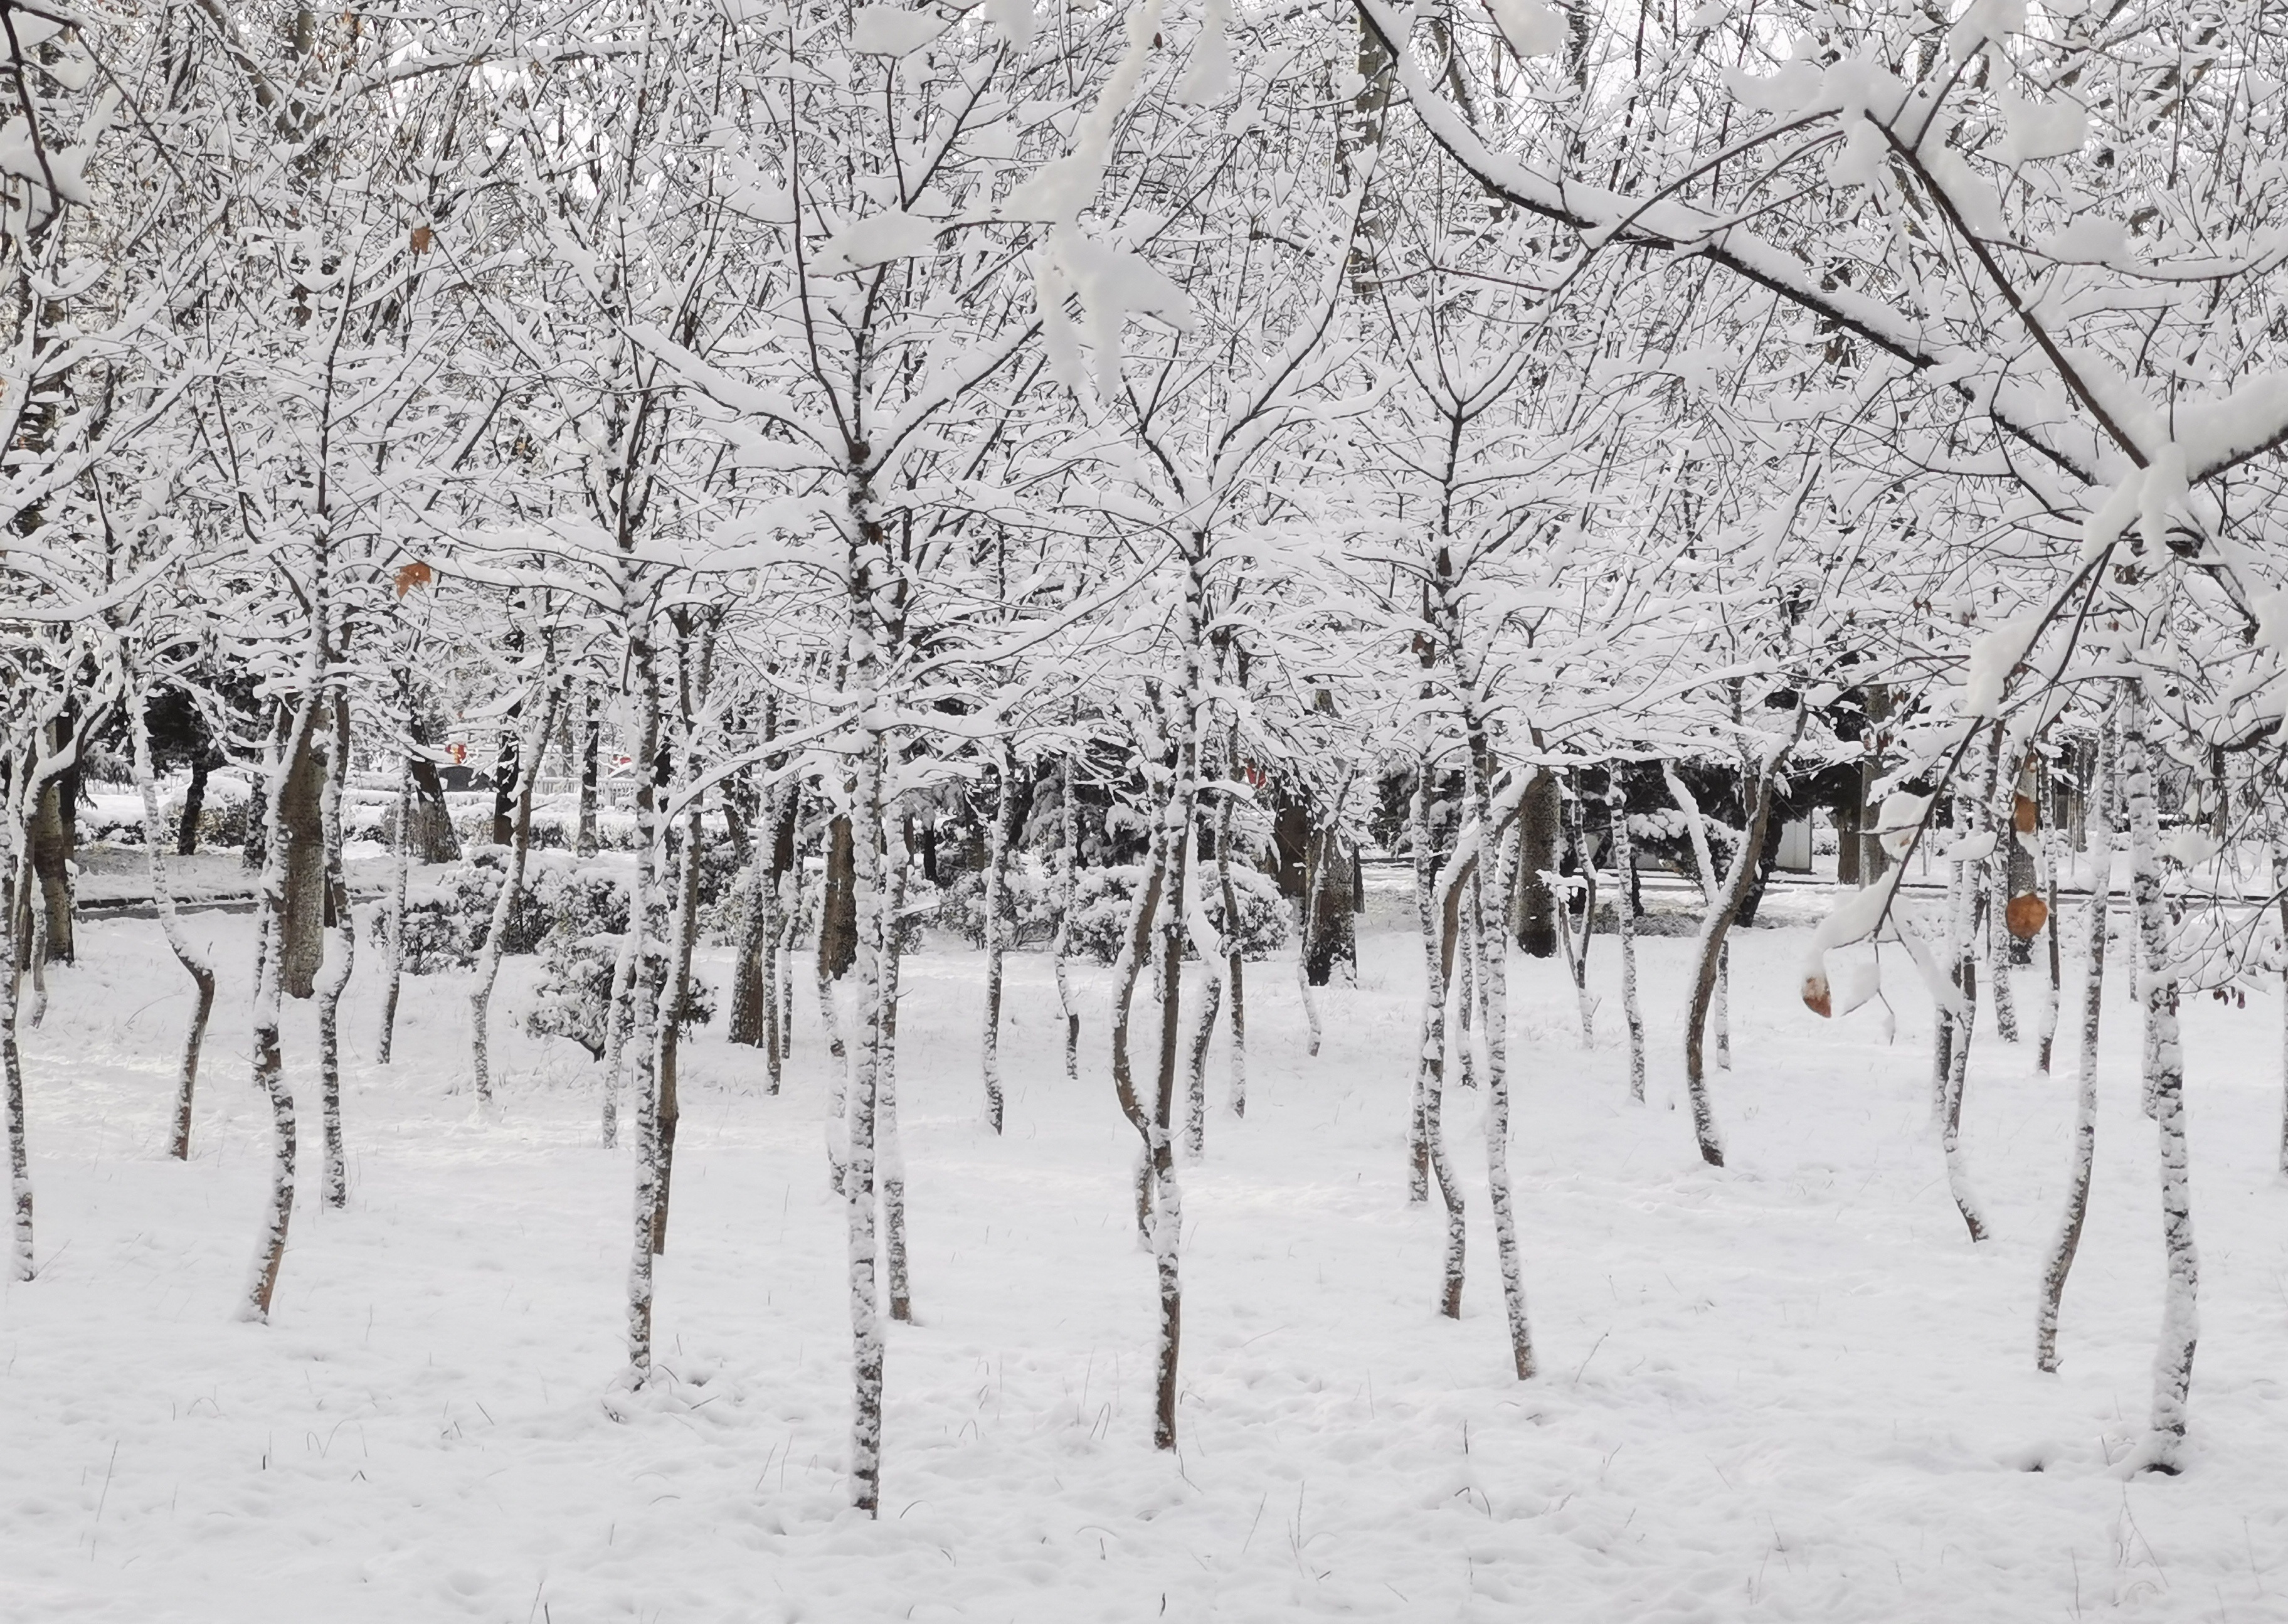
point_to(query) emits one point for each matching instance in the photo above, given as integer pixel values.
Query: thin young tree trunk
(1625, 871)
(400, 863)
(2002, 812)
(1712, 931)
(1441, 902)
(1068, 899)
(520, 845)
(892, 1145)
(592, 741)
(1576, 943)
(1306, 926)
(644, 673)
(162, 897)
(1489, 947)
(269, 1067)
(2085, 1152)
(1167, 1201)
(1963, 937)
(683, 932)
(996, 861)
(1210, 942)
(342, 960)
(2048, 855)
(2280, 884)
(1704, 860)
(859, 1171)
(617, 1012)
(1235, 975)
(2165, 1068)
(15, 884)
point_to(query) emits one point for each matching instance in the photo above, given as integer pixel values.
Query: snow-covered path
(1787, 1390)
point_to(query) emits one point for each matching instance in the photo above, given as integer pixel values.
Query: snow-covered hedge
(1104, 896)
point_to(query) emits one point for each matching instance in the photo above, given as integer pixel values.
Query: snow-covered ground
(1790, 1388)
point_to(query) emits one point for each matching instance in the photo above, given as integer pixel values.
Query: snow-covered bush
(1103, 898)
(588, 907)
(446, 921)
(1029, 900)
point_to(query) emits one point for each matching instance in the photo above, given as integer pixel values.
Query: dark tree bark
(301, 810)
(838, 923)
(194, 806)
(1538, 816)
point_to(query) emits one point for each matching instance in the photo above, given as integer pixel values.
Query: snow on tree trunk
(342, 959)
(1966, 893)
(592, 744)
(1440, 902)
(1724, 909)
(1624, 869)
(1575, 941)
(400, 864)
(162, 897)
(520, 845)
(2084, 1147)
(2048, 857)
(1489, 948)
(269, 1067)
(892, 1143)
(16, 880)
(997, 863)
(644, 675)
(2280, 886)
(1068, 899)
(2002, 803)
(2165, 1078)
(1235, 975)
(683, 930)
(1703, 863)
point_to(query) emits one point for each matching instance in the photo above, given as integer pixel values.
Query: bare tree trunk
(1575, 943)
(1713, 932)
(643, 672)
(16, 882)
(1490, 949)
(2085, 1152)
(996, 859)
(1624, 872)
(269, 1069)
(2164, 1072)
(489, 957)
(341, 961)
(682, 933)
(892, 1145)
(1235, 975)
(591, 741)
(1963, 939)
(2047, 819)
(859, 1113)
(162, 897)
(2280, 884)
(400, 862)
(194, 802)
(1068, 899)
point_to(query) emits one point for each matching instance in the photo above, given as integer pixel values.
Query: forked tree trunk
(2165, 1080)
(162, 897)
(1713, 932)
(2085, 1149)
(1624, 873)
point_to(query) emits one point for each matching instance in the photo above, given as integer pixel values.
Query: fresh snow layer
(1790, 1388)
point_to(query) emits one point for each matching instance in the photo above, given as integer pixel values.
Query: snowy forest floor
(1790, 1388)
